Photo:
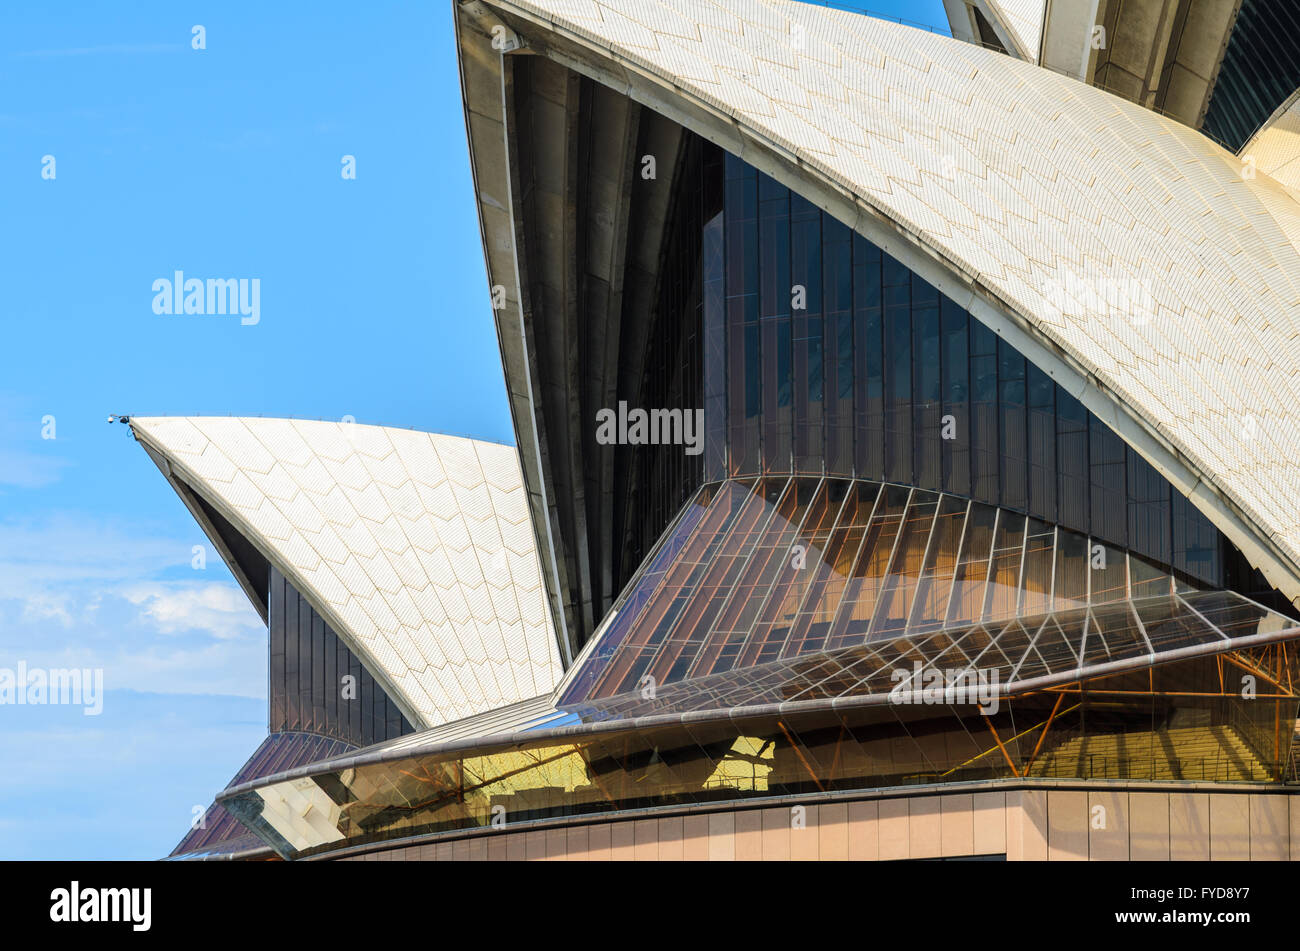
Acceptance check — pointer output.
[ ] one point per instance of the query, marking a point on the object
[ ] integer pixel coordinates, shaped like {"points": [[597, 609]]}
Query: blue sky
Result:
{"points": [[222, 162]]}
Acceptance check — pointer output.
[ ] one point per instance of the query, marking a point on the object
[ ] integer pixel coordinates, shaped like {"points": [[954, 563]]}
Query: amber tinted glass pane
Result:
{"points": [[930, 609], [967, 602], [1002, 597], [1036, 594], [812, 625], [853, 620], [904, 571]]}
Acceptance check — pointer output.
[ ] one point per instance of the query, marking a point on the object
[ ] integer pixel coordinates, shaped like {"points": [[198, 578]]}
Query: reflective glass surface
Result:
{"points": [[786, 589], [824, 355], [1179, 721], [216, 831]]}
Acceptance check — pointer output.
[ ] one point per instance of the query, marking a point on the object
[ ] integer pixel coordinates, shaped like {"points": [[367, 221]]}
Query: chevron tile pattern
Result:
{"points": [[417, 547], [1051, 193]]}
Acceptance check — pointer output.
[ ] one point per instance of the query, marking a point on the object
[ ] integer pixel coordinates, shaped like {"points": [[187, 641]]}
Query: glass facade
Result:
{"points": [[878, 465], [826, 355], [802, 588], [1180, 721], [217, 831], [308, 667]]}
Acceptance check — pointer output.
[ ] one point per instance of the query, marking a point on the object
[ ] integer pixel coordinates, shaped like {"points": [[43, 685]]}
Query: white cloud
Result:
{"points": [[82, 591], [221, 609]]}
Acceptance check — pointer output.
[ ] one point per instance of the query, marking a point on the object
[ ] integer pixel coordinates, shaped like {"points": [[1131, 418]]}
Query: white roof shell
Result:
{"points": [[1121, 251], [1275, 149], [416, 548]]}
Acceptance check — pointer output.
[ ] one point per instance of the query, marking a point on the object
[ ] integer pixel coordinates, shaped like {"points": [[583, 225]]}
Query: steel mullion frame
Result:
{"points": [[749, 635], [875, 507], [731, 529], [925, 560], [893, 554], [803, 601]]}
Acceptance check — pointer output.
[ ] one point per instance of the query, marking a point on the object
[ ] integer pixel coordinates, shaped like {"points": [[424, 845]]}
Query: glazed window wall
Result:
{"points": [[774, 589], [825, 355], [308, 662], [1173, 722]]}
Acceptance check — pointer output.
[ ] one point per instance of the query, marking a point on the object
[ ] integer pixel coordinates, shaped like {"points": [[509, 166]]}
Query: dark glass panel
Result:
{"points": [[309, 661], [806, 323], [744, 380], [955, 359], [1011, 432], [292, 660], [1042, 444], [320, 717], [307, 719], [927, 388], [1073, 474], [868, 360], [898, 371], [1148, 510], [1259, 71], [1108, 461], [774, 314], [713, 250], [1195, 542], [984, 413], [279, 709], [837, 264]]}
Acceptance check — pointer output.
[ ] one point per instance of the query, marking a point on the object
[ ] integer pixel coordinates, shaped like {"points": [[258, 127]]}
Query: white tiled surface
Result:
{"points": [[1024, 19], [419, 545], [1276, 149], [1035, 182]]}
